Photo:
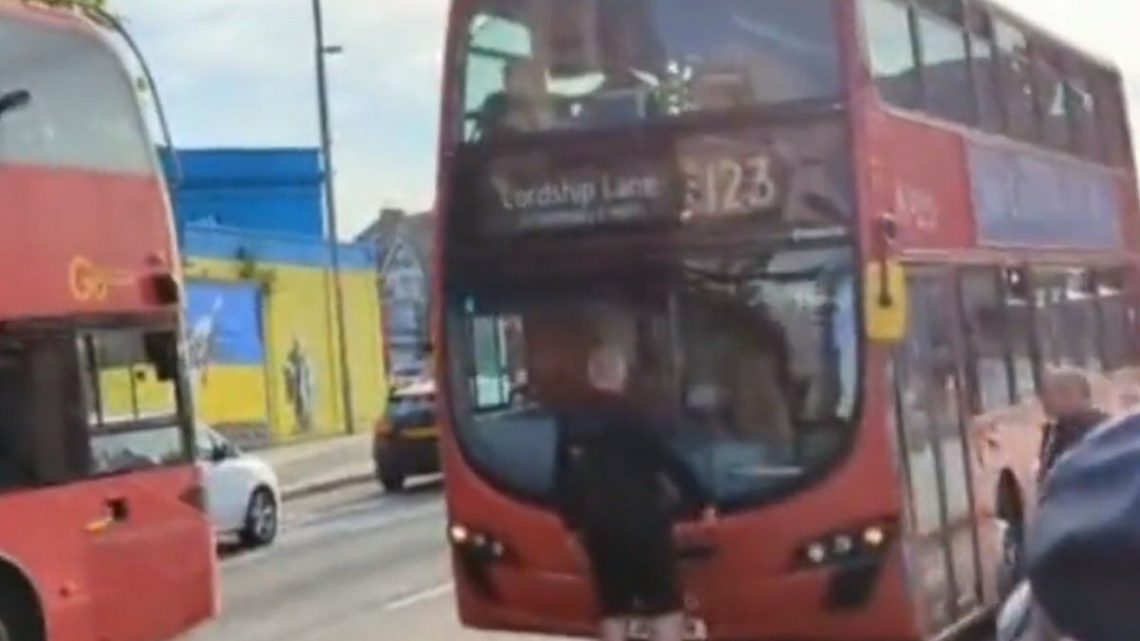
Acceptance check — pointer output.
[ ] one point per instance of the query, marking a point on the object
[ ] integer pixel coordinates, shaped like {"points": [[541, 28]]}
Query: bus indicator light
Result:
{"points": [[843, 545], [817, 553], [874, 537], [458, 534], [847, 546], [477, 546]]}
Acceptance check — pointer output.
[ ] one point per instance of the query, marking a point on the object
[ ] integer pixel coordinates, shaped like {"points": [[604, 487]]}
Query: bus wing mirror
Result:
{"points": [[885, 301], [162, 352]]}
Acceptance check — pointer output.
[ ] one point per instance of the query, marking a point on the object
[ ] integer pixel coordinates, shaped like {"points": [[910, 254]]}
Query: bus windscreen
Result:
{"points": [[542, 65], [749, 362], [71, 105]]}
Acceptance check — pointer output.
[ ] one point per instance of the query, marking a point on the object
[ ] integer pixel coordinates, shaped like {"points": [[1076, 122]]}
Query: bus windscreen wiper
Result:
{"points": [[13, 100]]}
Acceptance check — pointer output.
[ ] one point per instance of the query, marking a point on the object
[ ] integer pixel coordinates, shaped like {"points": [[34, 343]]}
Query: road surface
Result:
{"points": [[355, 565]]}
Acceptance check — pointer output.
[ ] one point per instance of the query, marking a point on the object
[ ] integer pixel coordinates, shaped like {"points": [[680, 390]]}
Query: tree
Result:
{"points": [[96, 10]]}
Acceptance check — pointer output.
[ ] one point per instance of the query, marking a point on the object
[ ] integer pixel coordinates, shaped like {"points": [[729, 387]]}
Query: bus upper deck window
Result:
{"points": [[888, 33], [591, 64], [1017, 79]]}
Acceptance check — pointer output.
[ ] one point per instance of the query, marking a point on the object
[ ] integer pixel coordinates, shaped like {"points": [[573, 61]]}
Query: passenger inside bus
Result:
{"points": [[614, 62], [522, 107]]}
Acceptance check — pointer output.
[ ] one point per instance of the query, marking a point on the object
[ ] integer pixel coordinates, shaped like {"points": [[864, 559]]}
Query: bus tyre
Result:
{"points": [[392, 481], [17, 616], [1012, 557], [261, 520]]}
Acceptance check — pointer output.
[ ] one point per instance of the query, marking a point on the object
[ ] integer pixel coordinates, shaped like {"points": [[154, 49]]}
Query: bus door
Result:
{"points": [[930, 407]]}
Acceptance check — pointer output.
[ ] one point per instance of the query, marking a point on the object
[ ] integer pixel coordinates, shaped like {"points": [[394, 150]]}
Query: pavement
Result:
{"points": [[313, 467]]}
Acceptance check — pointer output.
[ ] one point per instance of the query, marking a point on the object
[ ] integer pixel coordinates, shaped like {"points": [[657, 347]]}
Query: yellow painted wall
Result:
{"points": [[232, 395], [119, 393], [298, 313]]}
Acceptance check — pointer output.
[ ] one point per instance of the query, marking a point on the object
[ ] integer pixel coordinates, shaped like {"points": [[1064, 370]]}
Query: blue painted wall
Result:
{"points": [[261, 190], [233, 244]]}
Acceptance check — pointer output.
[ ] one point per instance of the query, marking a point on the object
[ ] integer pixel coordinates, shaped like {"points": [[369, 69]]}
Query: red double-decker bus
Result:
{"points": [[845, 239], [102, 531]]}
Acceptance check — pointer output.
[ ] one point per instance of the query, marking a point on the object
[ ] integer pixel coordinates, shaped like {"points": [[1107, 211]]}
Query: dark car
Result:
{"points": [[407, 436]]}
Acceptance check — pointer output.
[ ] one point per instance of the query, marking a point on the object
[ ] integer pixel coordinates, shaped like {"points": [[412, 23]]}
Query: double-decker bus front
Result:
{"points": [[678, 176], [104, 537]]}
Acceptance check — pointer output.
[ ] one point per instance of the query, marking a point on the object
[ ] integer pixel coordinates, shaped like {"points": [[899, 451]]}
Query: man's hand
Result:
{"points": [[709, 515], [577, 550]]}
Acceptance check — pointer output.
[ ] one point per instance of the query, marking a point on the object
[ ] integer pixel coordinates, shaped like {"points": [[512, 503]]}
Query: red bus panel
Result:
{"points": [[52, 217], [105, 538]]}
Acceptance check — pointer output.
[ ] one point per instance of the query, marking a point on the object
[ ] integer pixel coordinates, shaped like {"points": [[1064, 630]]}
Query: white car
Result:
{"points": [[242, 491]]}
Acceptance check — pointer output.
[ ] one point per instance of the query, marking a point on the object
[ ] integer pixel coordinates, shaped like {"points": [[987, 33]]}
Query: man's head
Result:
{"points": [[1066, 391], [608, 370]]}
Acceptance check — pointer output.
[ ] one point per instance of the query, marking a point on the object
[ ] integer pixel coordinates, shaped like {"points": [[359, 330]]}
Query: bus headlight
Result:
{"points": [[458, 534], [816, 553], [848, 545], [475, 544], [874, 536]]}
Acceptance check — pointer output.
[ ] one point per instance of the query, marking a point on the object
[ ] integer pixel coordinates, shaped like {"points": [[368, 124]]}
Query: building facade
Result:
{"points": [[260, 306], [403, 247]]}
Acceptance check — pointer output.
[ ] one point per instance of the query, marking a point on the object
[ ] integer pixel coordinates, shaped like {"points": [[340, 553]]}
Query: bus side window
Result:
{"points": [[1020, 317], [1017, 81], [1115, 344], [947, 84], [1051, 89], [1083, 105], [1067, 328], [893, 59], [133, 410], [1113, 118], [985, 69], [1081, 321], [992, 379], [41, 437]]}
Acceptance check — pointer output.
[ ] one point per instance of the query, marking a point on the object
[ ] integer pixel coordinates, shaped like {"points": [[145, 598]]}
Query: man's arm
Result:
{"points": [[678, 471], [566, 489]]}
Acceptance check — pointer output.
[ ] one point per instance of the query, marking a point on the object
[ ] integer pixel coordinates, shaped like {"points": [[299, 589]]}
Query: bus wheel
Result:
{"points": [[1012, 557], [261, 520], [392, 482], [1012, 529], [18, 614]]}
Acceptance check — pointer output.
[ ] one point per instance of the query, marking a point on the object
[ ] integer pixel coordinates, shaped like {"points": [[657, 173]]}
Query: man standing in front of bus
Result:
{"points": [[620, 486], [1067, 400]]}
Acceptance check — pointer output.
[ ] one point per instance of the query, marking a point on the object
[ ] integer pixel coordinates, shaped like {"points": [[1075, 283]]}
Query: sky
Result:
{"points": [[240, 73]]}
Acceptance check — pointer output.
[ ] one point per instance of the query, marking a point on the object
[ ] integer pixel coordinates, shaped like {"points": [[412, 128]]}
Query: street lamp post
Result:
{"points": [[321, 51]]}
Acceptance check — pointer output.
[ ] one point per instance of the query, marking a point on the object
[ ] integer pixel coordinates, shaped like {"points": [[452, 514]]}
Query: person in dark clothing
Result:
{"points": [[1084, 549], [1067, 399], [621, 488]]}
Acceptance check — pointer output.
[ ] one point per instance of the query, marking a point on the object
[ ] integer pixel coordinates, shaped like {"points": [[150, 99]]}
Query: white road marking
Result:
{"points": [[307, 531], [422, 595]]}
